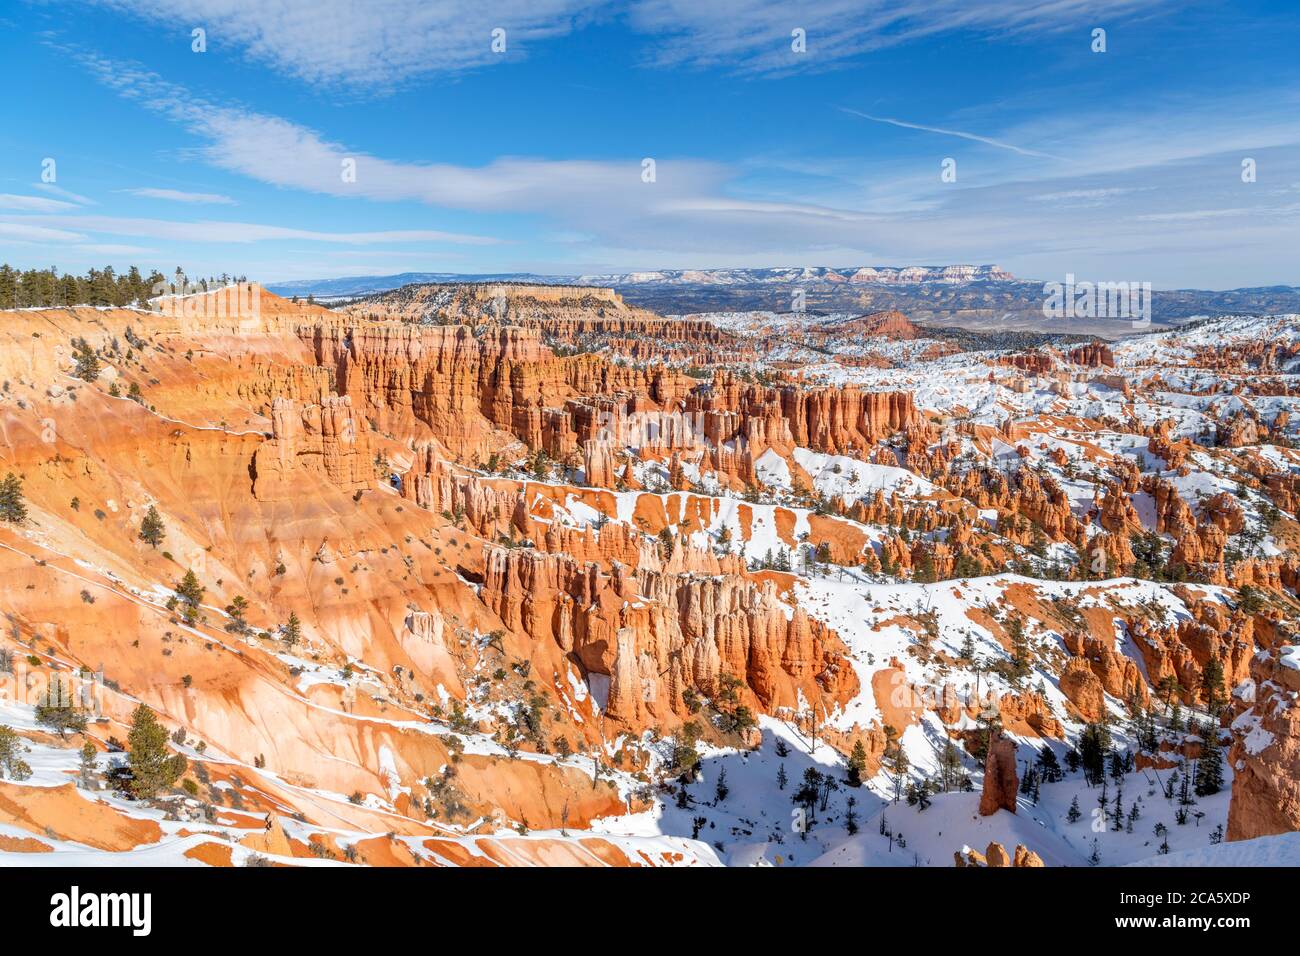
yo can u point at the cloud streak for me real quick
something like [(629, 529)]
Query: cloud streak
[(178, 195), (365, 46), (225, 231), (376, 46), (973, 137), (33, 203), (754, 36)]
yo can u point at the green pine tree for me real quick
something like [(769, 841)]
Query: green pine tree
[(12, 506), (857, 764), (55, 709), (950, 768), (87, 764), (1094, 743), (1212, 685), (152, 529), (1051, 767), (189, 589), (291, 632), (1209, 769), (87, 359), (11, 750), (153, 769)]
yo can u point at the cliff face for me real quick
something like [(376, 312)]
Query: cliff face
[(475, 392), (657, 634), (325, 440), (1265, 753), (524, 574), (1093, 355), (268, 490)]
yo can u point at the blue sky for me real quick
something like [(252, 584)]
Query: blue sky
[(1116, 165)]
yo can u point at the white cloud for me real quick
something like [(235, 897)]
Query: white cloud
[(115, 249), (1131, 174), (1084, 196), (366, 45), (754, 36), (238, 232), (56, 190), (276, 151), (370, 46), (33, 203), (1195, 215), (27, 232), (177, 195)]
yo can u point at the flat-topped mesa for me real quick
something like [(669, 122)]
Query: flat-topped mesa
[(578, 317), (492, 302)]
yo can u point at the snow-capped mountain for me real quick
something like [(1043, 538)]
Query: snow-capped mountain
[(885, 275)]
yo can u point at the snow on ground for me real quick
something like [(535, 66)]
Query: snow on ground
[(851, 479), (184, 827), (1280, 850), (756, 823)]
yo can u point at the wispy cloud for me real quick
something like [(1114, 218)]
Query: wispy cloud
[(1133, 169), (115, 249), (973, 137), (754, 36), (178, 195), (274, 150), (33, 203), (238, 232), (1195, 215), (1086, 196), (353, 45), (695, 208), (29, 232), (56, 190)]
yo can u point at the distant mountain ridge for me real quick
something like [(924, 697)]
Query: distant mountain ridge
[(973, 297), (893, 275)]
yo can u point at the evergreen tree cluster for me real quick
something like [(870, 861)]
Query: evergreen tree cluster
[(46, 287), (12, 506), (36, 288)]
